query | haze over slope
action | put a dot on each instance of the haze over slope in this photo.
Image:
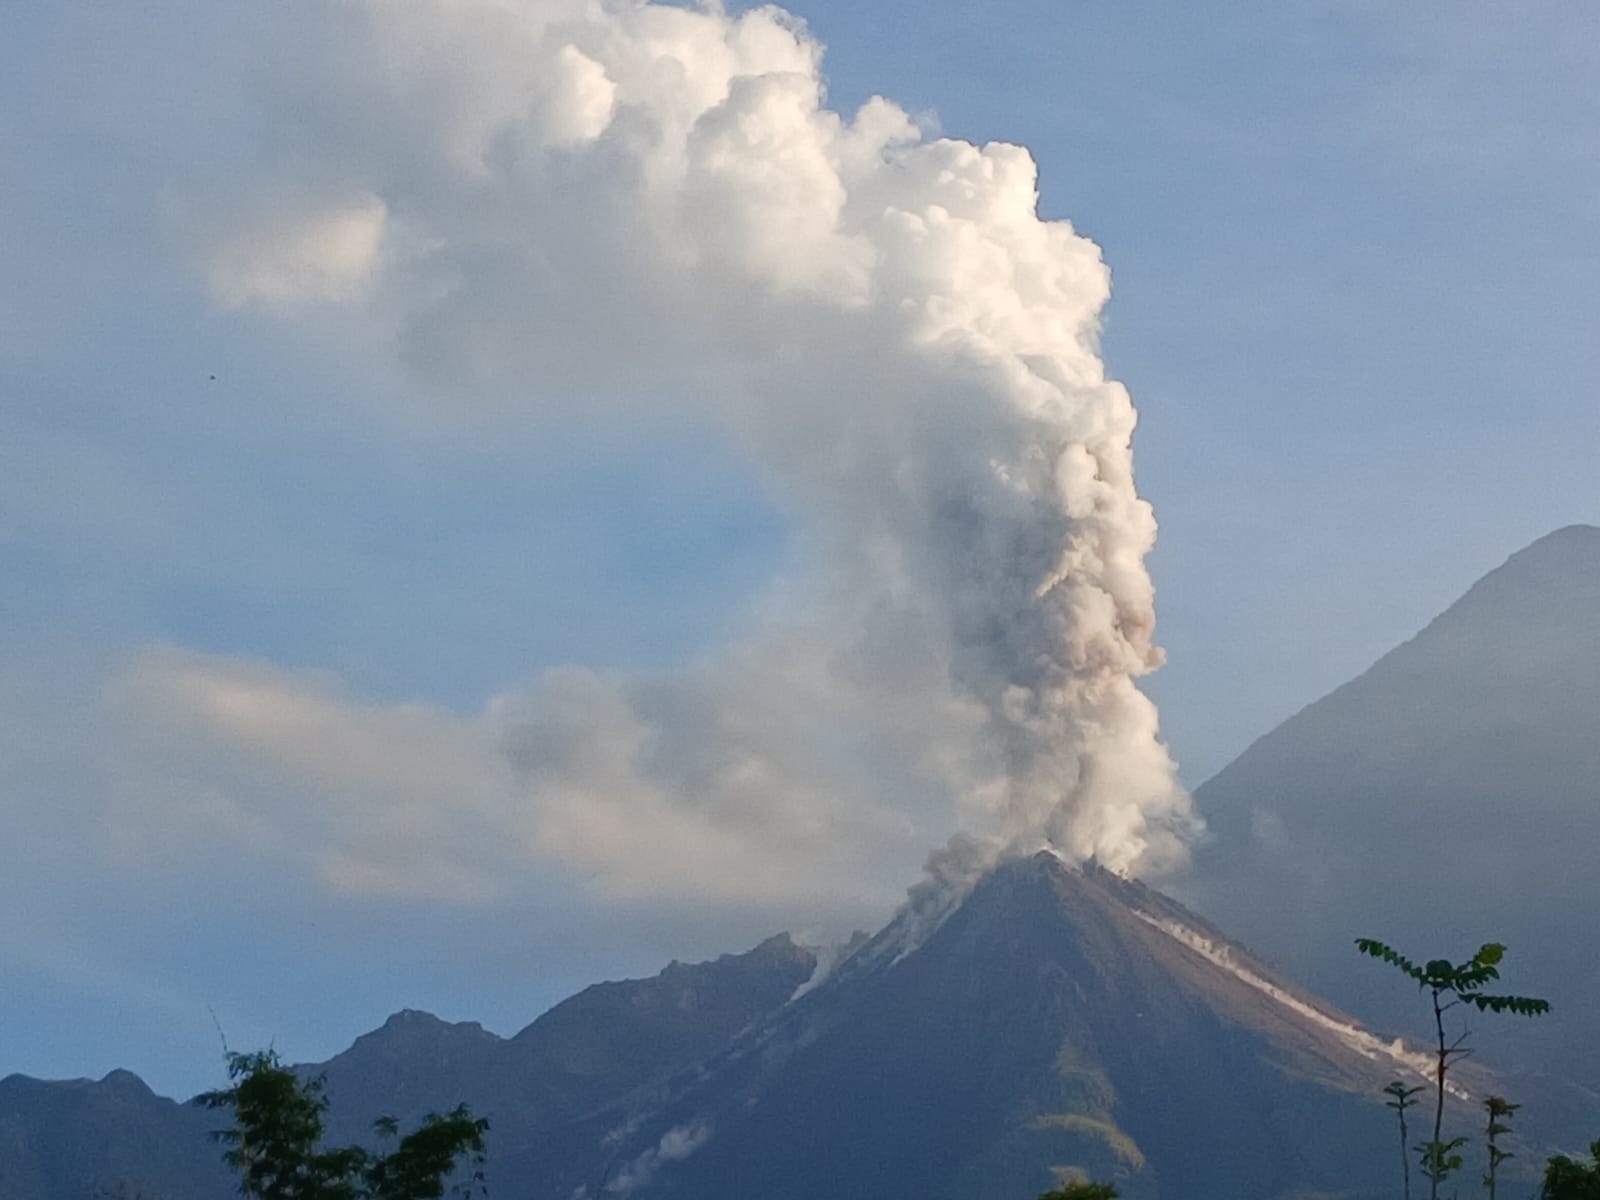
(1448, 796)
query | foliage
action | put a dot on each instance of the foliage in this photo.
(1440, 1160)
(274, 1143)
(1464, 981)
(1402, 1098)
(1499, 1110)
(1449, 986)
(1081, 1191)
(1569, 1179)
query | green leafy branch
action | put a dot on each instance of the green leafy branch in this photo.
(1450, 985)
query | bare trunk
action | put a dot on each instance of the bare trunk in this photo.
(1438, 1100)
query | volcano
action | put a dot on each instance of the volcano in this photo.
(1059, 1021)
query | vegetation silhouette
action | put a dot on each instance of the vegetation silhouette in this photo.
(1451, 985)
(1402, 1098)
(275, 1143)
(1081, 1191)
(1499, 1110)
(1570, 1179)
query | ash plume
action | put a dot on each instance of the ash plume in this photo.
(638, 208)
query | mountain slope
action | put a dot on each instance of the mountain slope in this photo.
(585, 1052)
(81, 1139)
(1448, 796)
(1059, 1018)
(72, 1140)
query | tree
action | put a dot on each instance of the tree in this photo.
(277, 1133)
(1452, 985)
(1402, 1098)
(1499, 1109)
(1569, 1179)
(1081, 1191)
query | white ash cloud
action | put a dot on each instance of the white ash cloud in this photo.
(625, 205)
(299, 253)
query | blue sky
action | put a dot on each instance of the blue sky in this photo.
(1353, 252)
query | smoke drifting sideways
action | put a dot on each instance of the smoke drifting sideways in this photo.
(632, 206)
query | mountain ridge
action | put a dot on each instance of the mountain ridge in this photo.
(71, 1139)
(1444, 797)
(1060, 1019)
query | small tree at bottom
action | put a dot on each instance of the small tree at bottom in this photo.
(275, 1143)
(1570, 1179)
(1081, 1191)
(1401, 1098)
(1499, 1110)
(1451, 985)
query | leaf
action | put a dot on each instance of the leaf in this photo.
(1385, 953)
(1489, 954)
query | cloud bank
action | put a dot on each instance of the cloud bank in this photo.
(627, 208)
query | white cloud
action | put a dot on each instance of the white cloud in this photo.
(578, 100)
(219, 756)
(292, 256)
(674, 791)
(616, 205)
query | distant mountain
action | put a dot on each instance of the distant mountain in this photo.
(584, 1053)
(84, 1140)
(1448, 796)
(78, 1139)
(1061, 1018)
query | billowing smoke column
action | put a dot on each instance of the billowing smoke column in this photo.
(650, 208)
